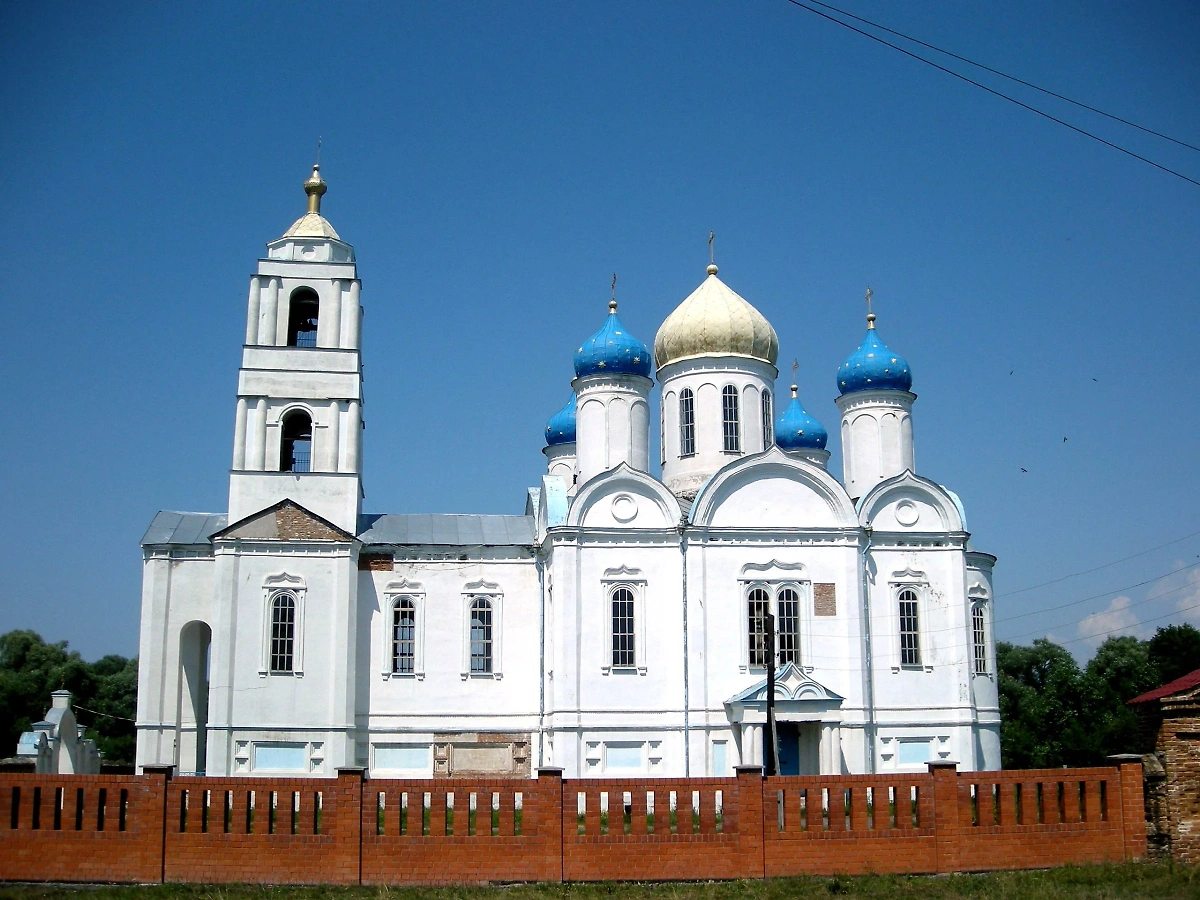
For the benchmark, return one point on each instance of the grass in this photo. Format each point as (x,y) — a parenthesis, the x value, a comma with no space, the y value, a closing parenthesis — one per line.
(1118,882)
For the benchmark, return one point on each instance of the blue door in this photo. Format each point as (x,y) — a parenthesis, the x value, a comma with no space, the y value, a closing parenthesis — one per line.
(789,748)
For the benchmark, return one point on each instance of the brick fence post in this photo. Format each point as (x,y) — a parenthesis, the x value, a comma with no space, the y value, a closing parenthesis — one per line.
(348,825)
(159,778)
(1133,804)
(945,814)
(550,823)
(751,850)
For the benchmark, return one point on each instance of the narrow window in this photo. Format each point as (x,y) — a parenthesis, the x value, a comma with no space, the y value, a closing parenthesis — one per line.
(768,421)
(758,606)
(730,426)
(980,640)
(910,641)
(789,626)
(622,627)
(404,636)
(295,452)
(687,423)
(283,633)
(302,318)
(481,636)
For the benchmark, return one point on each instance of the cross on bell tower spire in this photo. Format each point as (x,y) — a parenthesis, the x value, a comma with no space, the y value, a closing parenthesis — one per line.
(870,314)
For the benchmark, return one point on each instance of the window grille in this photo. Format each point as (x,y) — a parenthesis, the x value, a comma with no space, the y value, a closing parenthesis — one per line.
(404,637)
(767,421)
(687,423)
(622,628)
(302,318)
(789,626)
(295,450)
(980,640)
(730,423)
(481,636)
(283,633)
(759,605)
(910,640)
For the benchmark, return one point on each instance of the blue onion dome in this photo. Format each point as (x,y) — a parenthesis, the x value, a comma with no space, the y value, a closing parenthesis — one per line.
(612,351)
(873,367)
(561,427)
(797,430)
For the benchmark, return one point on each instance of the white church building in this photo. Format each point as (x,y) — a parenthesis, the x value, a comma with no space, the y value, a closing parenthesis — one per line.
(618,626)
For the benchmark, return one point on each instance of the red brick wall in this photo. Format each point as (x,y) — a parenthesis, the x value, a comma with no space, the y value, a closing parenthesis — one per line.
(701,840)
(81,827)
(350,830)
(461,831)
(888,825)
(268,830)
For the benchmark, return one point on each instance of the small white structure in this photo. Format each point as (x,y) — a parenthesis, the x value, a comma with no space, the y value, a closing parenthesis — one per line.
(57,744)
(618,626)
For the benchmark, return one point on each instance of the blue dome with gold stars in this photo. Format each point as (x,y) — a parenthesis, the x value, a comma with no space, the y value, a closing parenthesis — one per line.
(561,427)
(797,430)
(873,367)
(612,350)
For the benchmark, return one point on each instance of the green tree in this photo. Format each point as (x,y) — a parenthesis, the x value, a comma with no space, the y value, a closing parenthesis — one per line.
(1175,651)
(1041,696)
(1120,670)
(30,668)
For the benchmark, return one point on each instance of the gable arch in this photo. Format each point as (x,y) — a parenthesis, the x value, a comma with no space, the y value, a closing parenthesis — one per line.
(908,502)
(624,498)
(771,489)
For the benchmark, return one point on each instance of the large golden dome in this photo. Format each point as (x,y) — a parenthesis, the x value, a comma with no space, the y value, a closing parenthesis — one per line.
(715,321)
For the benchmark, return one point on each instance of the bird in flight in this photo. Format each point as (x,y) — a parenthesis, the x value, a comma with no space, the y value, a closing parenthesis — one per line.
(1023,469)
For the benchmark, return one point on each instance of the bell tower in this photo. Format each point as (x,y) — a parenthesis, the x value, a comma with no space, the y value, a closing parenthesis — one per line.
(298,431)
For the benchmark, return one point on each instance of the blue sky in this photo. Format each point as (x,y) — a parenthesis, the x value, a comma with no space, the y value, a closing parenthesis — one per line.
(494,164)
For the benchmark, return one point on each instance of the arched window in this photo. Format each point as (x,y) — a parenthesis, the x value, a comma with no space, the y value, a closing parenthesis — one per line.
(283,633)
(768,421)
(730,422)
(758,606)
(980,635)
(404,637)
(910,635)
(687,423)
(622,628)
(303,309)
(481,636)
(295,450)
(789,625)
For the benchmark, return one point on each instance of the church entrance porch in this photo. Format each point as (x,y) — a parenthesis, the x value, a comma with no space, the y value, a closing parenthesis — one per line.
(808,719)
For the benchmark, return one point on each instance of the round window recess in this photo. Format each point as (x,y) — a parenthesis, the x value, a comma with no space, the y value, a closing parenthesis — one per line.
(907,513)
(624,508)
(309,250)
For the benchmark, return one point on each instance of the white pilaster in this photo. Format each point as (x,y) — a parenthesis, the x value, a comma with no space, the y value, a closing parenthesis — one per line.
(252,311)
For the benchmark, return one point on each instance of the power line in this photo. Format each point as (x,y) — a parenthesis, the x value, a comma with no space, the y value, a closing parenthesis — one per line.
(1098,596)
(1089,637)
(1098,568)
(1021,81)
(1089,615)
(105,715)
(993,91)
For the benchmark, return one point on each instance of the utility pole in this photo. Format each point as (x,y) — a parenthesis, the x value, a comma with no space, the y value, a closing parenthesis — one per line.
(771,737)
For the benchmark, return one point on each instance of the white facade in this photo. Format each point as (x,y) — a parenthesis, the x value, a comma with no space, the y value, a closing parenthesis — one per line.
(608,629)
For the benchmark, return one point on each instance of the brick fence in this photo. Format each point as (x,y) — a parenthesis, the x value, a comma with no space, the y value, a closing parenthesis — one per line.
(351,830)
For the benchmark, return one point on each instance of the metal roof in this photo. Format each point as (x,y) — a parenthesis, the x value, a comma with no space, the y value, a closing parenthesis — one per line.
(190,529)
(185,528)
(447,530)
